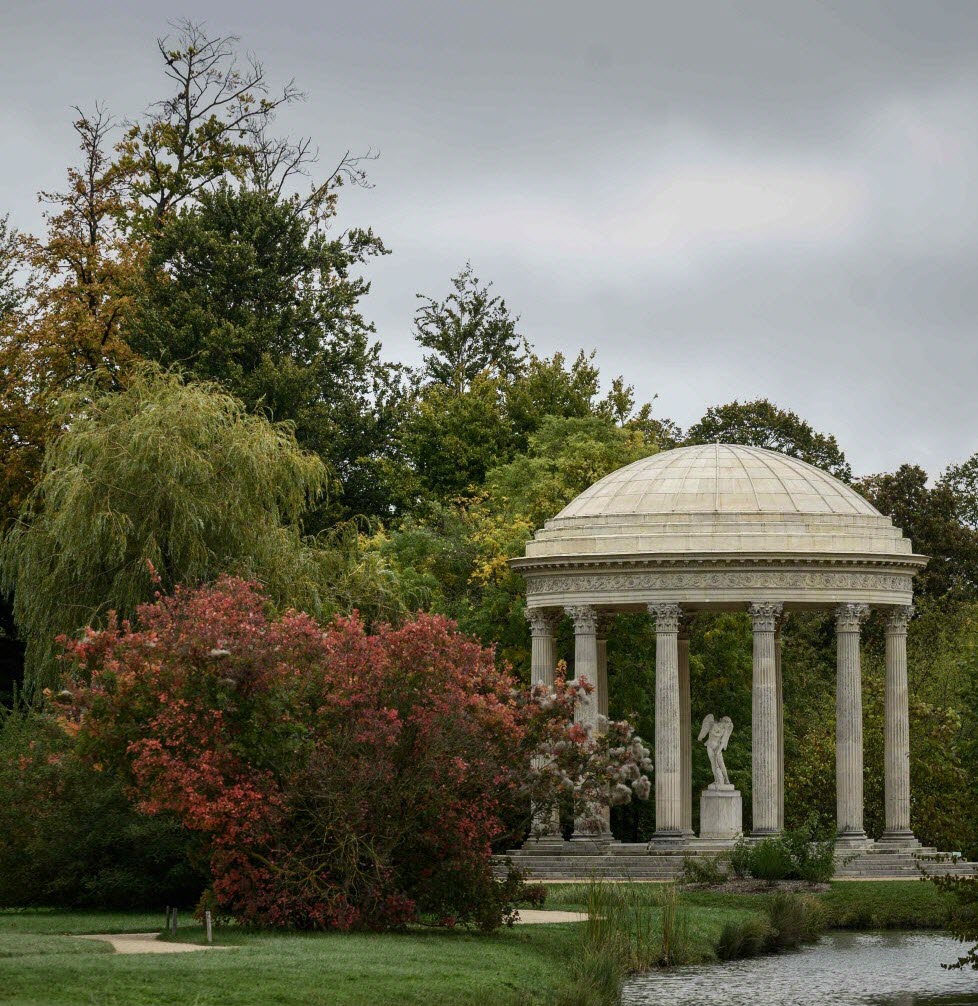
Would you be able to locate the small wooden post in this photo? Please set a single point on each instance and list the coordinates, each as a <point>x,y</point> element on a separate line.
<point>207,922</point>
<point>173,922</point>
<point>166,928</point>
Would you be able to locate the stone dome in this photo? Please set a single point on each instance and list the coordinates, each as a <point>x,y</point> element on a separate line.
<point>718,499</point>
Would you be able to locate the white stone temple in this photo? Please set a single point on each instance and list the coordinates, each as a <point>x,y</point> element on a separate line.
<point>721,527</point>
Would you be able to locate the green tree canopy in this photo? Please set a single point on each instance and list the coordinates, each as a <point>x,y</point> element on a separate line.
<point>762,424</point>
<point>469,333</point>
<point>246,289</point>
<point>931,516</point>
<point>164,476</point>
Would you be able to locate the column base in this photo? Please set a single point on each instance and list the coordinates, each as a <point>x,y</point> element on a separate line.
<point>903,839</point>
<point>545,840</point>
<point>669,836</point>
<point>592,836</point>
<point>853,840</point>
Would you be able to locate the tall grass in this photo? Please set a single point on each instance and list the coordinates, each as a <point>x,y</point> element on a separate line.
<point>627,932</point>
<point>790,921</point>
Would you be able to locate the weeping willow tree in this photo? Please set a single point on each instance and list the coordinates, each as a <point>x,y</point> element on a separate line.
<point>168,482</point>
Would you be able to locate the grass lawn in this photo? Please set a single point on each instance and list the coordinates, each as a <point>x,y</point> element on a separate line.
<point>41,964</point>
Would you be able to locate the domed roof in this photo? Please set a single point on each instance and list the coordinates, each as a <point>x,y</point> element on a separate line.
<point>718,498</point>
<point>718,478</point>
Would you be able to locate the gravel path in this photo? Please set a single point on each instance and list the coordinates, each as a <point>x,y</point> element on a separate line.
<point>147,943</point>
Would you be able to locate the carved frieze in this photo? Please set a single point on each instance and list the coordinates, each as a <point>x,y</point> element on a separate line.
<point>799,579</point>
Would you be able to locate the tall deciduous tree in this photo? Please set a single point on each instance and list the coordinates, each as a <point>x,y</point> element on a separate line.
<point>469,333</point>
<point>245,288</point>
<point>66,325</point>
<point>206,129</point>
<point>762,424</point>
<point>933,518</point>
<point>162,483</point>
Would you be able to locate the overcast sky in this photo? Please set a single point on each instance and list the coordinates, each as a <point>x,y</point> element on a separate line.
<point>726,200</point>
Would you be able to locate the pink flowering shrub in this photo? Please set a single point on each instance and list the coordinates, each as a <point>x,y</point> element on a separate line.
<point>339,778</point>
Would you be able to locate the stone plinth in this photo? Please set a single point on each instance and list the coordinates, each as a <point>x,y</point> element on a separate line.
<point>721,813</point>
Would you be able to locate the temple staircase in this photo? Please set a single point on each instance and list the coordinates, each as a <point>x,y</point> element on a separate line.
<point>584,860</point>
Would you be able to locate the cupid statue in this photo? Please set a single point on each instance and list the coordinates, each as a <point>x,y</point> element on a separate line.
<point>717,733</point>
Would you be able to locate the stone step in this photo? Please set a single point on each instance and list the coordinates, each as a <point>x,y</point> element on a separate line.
<point>637,862</point>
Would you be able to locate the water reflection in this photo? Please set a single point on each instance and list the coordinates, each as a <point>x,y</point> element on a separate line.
<point>842,969</point>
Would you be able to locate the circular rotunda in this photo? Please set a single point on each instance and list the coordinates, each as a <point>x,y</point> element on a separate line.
<point>730,527</point>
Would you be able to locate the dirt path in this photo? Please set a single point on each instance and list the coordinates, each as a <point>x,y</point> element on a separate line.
<point>147,943</point>
<point>531,916</point>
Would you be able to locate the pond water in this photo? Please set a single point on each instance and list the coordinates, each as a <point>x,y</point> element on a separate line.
<point>842,969</point>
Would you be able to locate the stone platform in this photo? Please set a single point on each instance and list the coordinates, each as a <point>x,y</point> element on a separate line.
<point>585,860</point>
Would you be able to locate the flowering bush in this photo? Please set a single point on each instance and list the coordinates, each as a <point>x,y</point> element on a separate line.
<point>340,779</point>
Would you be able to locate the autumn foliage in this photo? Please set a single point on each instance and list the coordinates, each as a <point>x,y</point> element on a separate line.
<point>340,778</point>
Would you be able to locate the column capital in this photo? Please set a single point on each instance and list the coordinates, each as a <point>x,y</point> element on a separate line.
<point>543,621</point>
<point>667,616</point>
<point>895,619</point>
<point>584,617</point>
<point>850,616</point>
<point>765,615</point>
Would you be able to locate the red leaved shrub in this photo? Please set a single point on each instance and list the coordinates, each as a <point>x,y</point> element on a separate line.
<point>340,778</point>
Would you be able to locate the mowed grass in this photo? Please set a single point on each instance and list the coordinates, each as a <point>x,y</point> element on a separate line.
<point>530,965</point>
<point>40,964</point>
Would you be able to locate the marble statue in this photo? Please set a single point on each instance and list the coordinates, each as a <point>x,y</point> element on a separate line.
<point>717,733</point>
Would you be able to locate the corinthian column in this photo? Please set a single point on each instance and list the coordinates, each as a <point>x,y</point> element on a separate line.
<point>685,733</point>
<point>779,690</point>
<point>849,724</point>
<point>668,771</point>
<point>764,715</point>
<point>897,739</point>
<point>585,619</point>
<point>543,662</point>
<point>604,625</point>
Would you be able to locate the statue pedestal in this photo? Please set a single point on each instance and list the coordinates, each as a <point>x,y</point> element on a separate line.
<point>721,812</point>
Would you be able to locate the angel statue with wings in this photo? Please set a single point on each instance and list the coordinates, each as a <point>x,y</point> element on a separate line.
<point>717,733</point>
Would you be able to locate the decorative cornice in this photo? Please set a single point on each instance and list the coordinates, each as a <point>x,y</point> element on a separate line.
<point>849,617</point>
<point>543,621</point>
<point>895,619</point>
<point>528,565</point>
<point>667,617</point>
<point>765,615</point>
<point>584,617</point>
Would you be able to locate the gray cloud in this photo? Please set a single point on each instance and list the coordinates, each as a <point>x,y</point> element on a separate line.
<point>725,200</point>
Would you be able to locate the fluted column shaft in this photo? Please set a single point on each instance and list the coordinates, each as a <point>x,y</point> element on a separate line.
<point>543,663</point>
<point>543,646</point>
<point>897,727</point>
<point>602,704</point>
<point>849,722</point>
<point>779,690</point>
<point>685,734</point>
<point>764,726</point>
<point>585,619</point>
<point>668,758</point>
<point>601,689</point>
